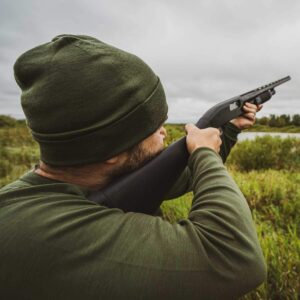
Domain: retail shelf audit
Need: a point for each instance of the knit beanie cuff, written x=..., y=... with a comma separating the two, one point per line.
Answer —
x=85, y=145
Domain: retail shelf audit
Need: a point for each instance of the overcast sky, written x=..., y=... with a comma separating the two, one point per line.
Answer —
x=204, y=51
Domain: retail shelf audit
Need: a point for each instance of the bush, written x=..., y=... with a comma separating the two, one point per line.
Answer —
x=16, y=137
x=7, y=121
x=174, y=132
x=5, y=167
x=266, y=153
x=18, y=153
x=174, y=210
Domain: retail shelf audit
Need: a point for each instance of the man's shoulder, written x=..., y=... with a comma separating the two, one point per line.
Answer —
x=21, y=188
x=42, y=209
x=25, y=196
x=13, y=186
x=12, y=191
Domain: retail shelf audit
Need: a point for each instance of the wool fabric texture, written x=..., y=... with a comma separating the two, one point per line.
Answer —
x=86, y=101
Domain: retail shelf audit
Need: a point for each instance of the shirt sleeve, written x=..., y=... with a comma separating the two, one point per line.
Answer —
x=183, y=184
x=229, y=139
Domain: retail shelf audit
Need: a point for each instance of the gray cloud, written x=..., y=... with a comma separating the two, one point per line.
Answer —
x=204, y=51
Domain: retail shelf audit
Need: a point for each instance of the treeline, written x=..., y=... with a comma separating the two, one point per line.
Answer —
x=271, y=121
x=279, y=121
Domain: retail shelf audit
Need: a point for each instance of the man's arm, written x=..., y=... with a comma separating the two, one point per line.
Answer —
x=229, y=138
x=183, y=184
x=109, y=254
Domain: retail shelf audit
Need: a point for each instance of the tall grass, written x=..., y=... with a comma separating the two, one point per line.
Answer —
x=18, y=153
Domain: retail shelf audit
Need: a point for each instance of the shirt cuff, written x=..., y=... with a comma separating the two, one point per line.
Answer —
x=203, y=152
x=231, y=131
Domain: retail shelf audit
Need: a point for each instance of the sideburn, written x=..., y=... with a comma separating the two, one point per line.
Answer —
x=138, y=157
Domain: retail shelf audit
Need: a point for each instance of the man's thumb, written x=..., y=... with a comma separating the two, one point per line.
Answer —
x=189, y=126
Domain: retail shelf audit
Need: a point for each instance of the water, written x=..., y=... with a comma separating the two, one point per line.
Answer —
x=251, y=135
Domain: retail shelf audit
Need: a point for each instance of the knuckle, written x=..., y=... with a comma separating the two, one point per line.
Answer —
x=216, y=131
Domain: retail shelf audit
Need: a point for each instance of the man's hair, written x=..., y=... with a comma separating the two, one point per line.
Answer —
x=137, y=157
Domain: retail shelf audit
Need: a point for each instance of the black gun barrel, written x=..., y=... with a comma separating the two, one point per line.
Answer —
x=264, y=88
x=144, y=189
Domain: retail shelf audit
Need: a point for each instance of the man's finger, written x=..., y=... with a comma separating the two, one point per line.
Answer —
x=254, y=106
x=248, y=104
x=259, y=107
x=250, y=109
x=250, y=116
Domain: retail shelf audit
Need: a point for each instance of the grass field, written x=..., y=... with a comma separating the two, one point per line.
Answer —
x=267, y=171
x=265, y=128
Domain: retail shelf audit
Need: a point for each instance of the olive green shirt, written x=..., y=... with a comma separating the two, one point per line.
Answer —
x=56, y=244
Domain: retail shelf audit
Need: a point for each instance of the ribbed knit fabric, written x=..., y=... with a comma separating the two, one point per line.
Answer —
x=86, y=101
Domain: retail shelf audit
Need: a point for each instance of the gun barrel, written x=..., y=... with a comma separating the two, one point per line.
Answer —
x=264, y=88
x=274, y=84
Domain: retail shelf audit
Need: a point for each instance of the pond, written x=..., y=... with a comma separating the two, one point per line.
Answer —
x=251, y=135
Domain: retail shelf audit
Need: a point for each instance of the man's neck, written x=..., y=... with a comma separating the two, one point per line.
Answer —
x=91, y=177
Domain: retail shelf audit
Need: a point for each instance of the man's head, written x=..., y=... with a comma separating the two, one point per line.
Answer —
x=98, y=175
x=87, y=102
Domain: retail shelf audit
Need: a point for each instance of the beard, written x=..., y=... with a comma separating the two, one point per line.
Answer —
x=138, y=157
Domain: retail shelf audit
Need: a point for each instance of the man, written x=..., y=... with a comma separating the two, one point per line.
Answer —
x=97, y=112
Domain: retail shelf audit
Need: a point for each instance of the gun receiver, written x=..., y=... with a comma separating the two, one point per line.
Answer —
x=145, y=189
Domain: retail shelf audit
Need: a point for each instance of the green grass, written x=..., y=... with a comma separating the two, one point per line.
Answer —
x=18, y=153
x=266, y=128
x=255, y=128
x=267, y=170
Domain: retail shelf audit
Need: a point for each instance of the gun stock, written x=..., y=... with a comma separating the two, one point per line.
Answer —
x=145, y=189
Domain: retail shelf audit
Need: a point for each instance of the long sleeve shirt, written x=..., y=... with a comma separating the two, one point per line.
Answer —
x=56, y=244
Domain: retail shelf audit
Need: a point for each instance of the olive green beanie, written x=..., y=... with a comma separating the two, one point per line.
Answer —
x=86, y=101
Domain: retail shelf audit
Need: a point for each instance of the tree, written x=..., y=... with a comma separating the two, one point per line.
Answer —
x=7, y=121
x=296, y=120
x=287, y=119
x=272, y=121
x=263, y=121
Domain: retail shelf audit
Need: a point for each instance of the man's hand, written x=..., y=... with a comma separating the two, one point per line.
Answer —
x=208, y=137
x=247, y=119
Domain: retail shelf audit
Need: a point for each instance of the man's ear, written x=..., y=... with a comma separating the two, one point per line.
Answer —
x=116, y=159
x=112, y=161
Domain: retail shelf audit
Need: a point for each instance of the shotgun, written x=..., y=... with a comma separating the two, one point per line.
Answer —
x=144, y=189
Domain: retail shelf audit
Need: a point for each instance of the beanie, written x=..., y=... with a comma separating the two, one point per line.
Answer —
x=86, y=101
